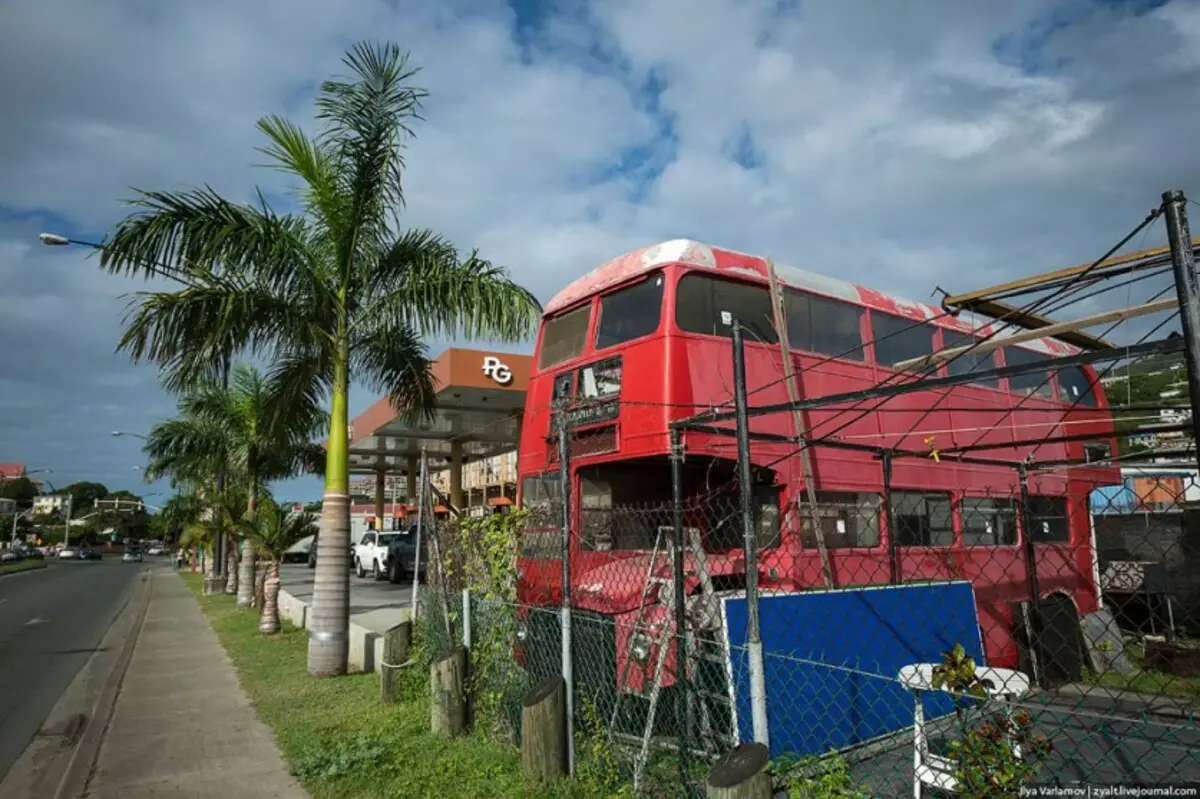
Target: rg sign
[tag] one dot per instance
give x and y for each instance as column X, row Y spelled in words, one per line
column 496, row 369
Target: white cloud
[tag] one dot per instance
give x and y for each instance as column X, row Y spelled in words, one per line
column 897, row 144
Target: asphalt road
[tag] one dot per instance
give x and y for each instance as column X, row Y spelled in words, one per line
column 365, row 594
column 51, row 621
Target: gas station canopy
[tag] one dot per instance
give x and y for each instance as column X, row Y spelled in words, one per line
column 480, row 397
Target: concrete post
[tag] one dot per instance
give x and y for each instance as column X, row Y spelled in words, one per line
column 380, row 497
column 410, row 493
column 456, row 474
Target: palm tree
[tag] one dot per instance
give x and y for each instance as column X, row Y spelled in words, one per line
column 246, row 430
column 334, row 292
column 271, row 532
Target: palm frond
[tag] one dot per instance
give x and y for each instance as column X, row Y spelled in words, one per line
column 394, row 360
column 274, row 529
column 421, row 283
column 365, row 117
column 182, row 234
column 295, row 153
column 189, row 332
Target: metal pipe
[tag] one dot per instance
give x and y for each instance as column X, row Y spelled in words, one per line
column 758, row 693
column 684, row 709
column 568, row 665
column 1034, row 618
column 1187, row 286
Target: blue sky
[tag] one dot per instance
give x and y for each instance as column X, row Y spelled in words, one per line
column 904, row 146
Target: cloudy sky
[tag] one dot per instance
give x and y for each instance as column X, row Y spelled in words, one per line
column 950, row 143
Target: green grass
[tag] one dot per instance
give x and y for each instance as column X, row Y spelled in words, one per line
column 22, row 566
column 341, row 741
column 1146, row 681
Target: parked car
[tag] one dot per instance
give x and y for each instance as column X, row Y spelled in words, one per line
column 69, row 553
column 402, row 555
column 301, row 551
column 371, row 554
column 33, row 553
column 10, row 555
column 87, row 553
column 132, row 556
column 312, row 555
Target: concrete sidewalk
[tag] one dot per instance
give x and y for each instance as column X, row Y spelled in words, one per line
column 181, row 725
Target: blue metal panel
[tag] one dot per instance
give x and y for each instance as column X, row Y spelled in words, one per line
column 831, row 659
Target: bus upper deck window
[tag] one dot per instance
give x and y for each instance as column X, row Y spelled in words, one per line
column 898, row 339
column 1031, row 382
column 629, row 313
column 971, row 361
column 563, row 337
column 710, row 305
column 1076, row 387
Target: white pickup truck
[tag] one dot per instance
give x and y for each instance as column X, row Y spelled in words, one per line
column 370, row 554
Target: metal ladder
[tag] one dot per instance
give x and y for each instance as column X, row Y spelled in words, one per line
column 700, row 615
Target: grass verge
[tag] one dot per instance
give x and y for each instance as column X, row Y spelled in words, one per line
column 341, row 742
column 22, row 566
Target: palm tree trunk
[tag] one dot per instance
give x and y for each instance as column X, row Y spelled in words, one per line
column 269, row 621
column 246, row 582
column 329, row 628
column 260, row 583
column 231, row 564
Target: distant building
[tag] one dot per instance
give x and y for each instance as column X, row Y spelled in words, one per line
column 11, row 471
column 49, row 503
column 8, row 506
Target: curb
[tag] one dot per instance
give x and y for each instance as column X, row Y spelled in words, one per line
column 78, row 772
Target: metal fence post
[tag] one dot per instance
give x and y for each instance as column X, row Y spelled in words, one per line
column 683, row 705
column 1033, row 621
column 568, row 665
column 466, row 611
column 420, row 531
column 1187, row 286
column 885, row 460
column 758, row 689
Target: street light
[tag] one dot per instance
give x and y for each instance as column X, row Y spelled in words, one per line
column 119, row 433
column 55, row 240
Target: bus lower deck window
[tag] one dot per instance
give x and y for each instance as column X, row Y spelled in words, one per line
column 921, row 520
column 847, row 519
column 988, row 521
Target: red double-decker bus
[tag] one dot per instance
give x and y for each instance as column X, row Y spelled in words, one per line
column 644, row 340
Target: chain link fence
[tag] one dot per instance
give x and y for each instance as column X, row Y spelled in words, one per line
column 916, row 595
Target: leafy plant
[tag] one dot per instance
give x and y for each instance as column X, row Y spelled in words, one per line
column 956, row 673
column 598, row 769
column 987, row 766
column 342, row 758
column 818, row 777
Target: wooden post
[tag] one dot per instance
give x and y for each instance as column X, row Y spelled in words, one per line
column 396, row 642
column 544, row 731
column 741, row 774
column 447, row 708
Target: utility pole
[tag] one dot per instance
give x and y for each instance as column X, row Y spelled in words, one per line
column 67, row 527
column 1187, row 286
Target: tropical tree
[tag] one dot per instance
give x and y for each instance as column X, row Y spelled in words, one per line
column 336, row 291
column 247, row 431
column 181, row 510
column 271, row 531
